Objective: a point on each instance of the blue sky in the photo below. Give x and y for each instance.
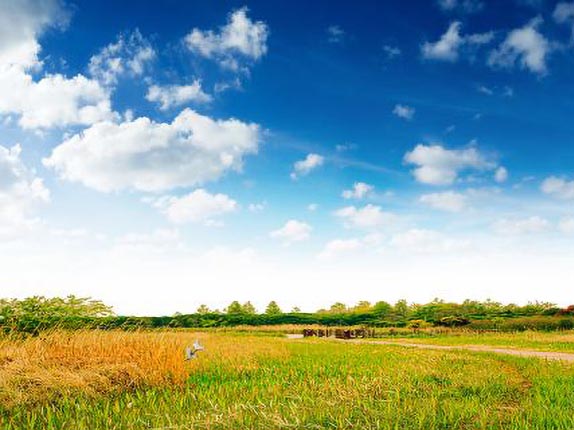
(161, 156)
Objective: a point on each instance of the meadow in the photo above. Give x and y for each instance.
(260, 380)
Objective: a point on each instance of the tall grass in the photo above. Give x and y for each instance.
(118, 380)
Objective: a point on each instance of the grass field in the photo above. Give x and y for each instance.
(539, 341)
(120, 380)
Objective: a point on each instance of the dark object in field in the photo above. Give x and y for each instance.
(337, 333)
(191, 352)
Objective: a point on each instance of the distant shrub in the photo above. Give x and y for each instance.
(453, 321)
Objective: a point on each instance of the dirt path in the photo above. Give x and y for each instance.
(564, 356)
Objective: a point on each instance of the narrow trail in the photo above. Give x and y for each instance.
(547, 355)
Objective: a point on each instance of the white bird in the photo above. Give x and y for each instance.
(197, 346)
(190, 352)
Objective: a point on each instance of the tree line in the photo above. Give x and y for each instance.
(37, 313)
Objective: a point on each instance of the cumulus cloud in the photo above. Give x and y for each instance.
(199, 206)
(367, 217)
(524, 46)
(292, 231)
(360, 190)
(447, 48)
(404, 112)
(240, 39)
(531, 225)
(145, 155)
(427, 242)
(338, 247)
(20, 192)
(437, 165)
(305, 166)
(448, 201)
(463, 6)
(176, 95)
(21, 24)
(558, 187)
(53, 100)
(128, 56)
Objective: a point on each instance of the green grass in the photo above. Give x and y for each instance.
(316, 384)
(540, 341)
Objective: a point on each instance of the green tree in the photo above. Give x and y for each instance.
(338, 308)
(401, 310)
(273, 308)
(362, 306)
(202, 310)
(382, 309)
(296, 310)
(248, 308)
(234, 308)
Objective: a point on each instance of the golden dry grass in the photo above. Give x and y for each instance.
(63, 363)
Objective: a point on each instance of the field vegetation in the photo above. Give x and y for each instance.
(140, 380)
(63, 366)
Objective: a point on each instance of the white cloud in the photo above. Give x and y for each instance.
(501, 175)
(404, 112)
(427, 242)
(199, 206)
(566, 225)
(51, 101)
(448, 201)
(335, 34)
(558, 187)
(312, 207)
(175, 95)
(305, 166)
(359, 191)
(128, 56)
(338, 247)
(149, 156)
(564, 13)
(292, 231)
(367, 217)
(525, 46)
(531, 225)
(448, 46)
(239, 39)
(234, 84)
(21, 24)
(20, 192)
(440, 166)
(464, 6)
